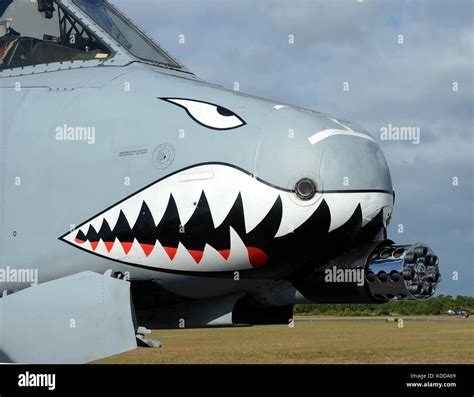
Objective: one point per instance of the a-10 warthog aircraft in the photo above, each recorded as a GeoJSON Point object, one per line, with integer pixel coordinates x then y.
{"type": "Point", "coordinates": [135, 195]}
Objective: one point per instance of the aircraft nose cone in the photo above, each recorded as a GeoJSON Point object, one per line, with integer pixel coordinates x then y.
{"type": "Point", "coordinates": [300, 144]}
{"type": "Point", "coordinates": [353, 161]}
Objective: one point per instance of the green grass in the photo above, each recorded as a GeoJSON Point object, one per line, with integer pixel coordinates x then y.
{"type": "Point", "coordinates": [440, 342]}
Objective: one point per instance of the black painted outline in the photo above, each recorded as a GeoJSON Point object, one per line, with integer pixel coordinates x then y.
{"type": "Point", "coordinates": [184, 272]}
{"type": "Point", "coordinates": [169, 100]}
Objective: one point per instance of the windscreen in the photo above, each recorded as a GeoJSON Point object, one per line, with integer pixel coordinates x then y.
{"type": "Point", "coordinates": [128, 35]}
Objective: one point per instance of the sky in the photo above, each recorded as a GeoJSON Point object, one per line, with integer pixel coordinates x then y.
{"type": "Point", "coordinates": [406, 63]}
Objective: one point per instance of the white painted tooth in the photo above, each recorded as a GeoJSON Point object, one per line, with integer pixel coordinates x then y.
{"type": "Point", "coordinates": [294, 215]}
{"type": "Point", "coordinates": [220, 202]}
{"type": "Point", "coordinates": [186, 188]}
{"type": "Point", "coordinates": [87, 245]}
{"type": "Point", "coordinates": [136, 254]}
{"type": "Point", "coordinates": [131, 208]}
{"type": "Point", "coordinates": [111, 216]}
{"type": "Point", "coordinates": [97, 223]}
{"type": "Point", "coordinates": [186, 196]}
{"type": "Point", "coordinates": [101, 249]}
{"type": "Point", "coordinates": [372, 203]}
{"type": "Point", "coordinates": [117, 252]}
{"type": "Point", "coordinates": [342, 207]}
{"type": "Point", "coordinates": [157, 257]}
{"type": "Point", "coordinates": [239, 257]}
{"type": "Point", "coordinates": [212, 260]}
{"type": "Point", "coordinates": [183, 260]}
{"type": "Point", "coordinates": [156, 197]}
{"type": "Point", "coordinates": [257, 199]}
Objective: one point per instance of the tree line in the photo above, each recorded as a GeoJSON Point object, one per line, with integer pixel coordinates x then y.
{"type": "Point", "coordinates": [434, 306]}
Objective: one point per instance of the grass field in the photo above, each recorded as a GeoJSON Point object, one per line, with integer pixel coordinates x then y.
{"type": "Point", "coordinates": [314, 341]}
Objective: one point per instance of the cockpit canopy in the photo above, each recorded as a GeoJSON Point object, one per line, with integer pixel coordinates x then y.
{"type": "Point", "coordinates": [46, 31]}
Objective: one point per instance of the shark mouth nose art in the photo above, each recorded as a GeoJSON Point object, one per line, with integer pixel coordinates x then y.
{"type": "Point", "coordinates": [210, 217]}
{"type": "Point", "coordinates": [207, 218]}
{"type": "Point", "coordinates": [198, 232]}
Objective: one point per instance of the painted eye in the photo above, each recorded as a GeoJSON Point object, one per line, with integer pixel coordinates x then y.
{"type": "Point", "coordinates": [208, 114]}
